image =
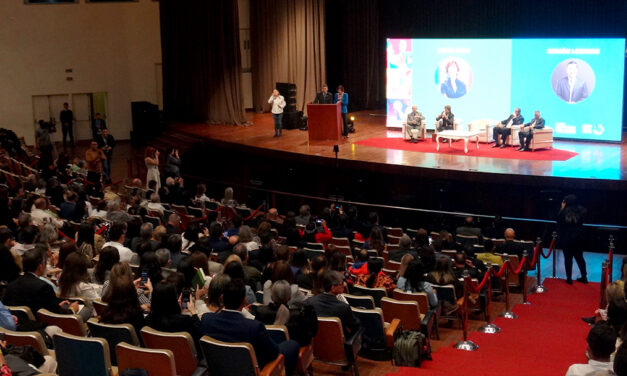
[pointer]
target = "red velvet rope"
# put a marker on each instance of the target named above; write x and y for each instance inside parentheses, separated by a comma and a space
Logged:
(253, 214)
(501, 271)
(63, 235)
(520, 265)
(102, 229)
(536, 252)
(474, 288)
(551, 247)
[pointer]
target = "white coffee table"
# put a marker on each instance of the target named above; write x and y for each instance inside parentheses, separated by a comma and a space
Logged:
(457, 135)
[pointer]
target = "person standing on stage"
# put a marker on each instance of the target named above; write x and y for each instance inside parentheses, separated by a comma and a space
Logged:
(569, 237)
(446, 119)
(526, 132)
(504, 128)
(342, 97)
(324, 97)
(67, 118)
(278, 103)
(414, 122)
(106, 143)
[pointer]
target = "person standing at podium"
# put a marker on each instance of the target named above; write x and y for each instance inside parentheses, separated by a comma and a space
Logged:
(278, 103)
(342, 97)
(324, 97)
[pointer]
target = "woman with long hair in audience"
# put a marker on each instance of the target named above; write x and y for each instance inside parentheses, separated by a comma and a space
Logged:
(190, 237)
(168, 311)
(74, 280)
(299, 318)
(152, 165)
(405, 260)
(233, 268)
(375, 278)
(281, 271)
(9, 270)
(376, 240)
(121, 297)
(85, 240)
(109, 256)
(414, 281)
(246, 238)
(443, 275)
(65, 250)
(149, 264)
(309, 281)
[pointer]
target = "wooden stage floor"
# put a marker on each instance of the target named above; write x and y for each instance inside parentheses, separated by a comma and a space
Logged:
(598, 161)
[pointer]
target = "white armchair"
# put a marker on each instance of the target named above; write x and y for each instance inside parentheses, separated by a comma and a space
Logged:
(407, 131)
(485, 126)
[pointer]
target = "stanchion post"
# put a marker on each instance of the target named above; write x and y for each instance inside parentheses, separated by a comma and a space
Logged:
(466, 344)
(540, 287)
(611, 260)
(523, 271)
(507, 314)
(554, 237)
(602, 302)
(489, 327)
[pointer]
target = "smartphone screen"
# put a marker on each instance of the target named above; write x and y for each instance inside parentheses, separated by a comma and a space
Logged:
(144, 277)
(185, 298)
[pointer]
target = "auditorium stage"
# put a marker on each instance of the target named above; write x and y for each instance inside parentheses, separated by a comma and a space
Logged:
(598, 161)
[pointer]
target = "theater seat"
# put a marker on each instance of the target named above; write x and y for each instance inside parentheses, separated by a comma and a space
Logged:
(280, 334)
(182, 346)
(155, 362)
(407, 131)
(237, 358)
(80, 356)
(330, 345)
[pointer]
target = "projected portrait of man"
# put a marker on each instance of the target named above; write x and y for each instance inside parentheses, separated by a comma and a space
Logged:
(453, 87)
(571, 88)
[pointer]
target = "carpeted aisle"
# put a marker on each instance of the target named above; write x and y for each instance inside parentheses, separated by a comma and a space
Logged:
(546, 339)
(457, 148)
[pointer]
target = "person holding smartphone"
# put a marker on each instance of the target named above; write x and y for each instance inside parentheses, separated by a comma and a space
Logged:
(172, 312)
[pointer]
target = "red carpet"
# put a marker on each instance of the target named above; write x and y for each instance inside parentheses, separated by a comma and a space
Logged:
(546, 339)
(485, 150)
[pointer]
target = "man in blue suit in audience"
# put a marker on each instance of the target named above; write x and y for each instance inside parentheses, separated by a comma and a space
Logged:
(229, 325)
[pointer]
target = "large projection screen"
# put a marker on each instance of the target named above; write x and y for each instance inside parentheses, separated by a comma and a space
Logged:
(576, 84)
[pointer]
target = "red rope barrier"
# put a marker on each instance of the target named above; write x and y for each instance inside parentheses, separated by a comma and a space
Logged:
(520, 266)
(65, 236)
(101, 229)
(551, 247)
(536, 252)
(474, 288)
(253, 214)
(501, 271)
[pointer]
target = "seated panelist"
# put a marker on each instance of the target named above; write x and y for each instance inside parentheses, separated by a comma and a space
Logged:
(446, 119)
(504, 128)
(414, 123)
(526, 132)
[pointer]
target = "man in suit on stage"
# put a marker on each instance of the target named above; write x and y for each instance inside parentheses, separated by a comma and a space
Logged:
(504, 128)
(414, 123)
(229, 325)
(446, 120)
(324, 97)
(328, 305)
(571, 88)
(526, 132)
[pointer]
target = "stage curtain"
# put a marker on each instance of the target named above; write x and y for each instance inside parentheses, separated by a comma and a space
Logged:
(287, 42)
(201, 61)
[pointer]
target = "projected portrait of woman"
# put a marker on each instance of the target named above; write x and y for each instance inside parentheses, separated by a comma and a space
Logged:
(453, 86)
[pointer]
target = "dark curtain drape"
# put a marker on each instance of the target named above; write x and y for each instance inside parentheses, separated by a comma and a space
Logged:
(201, 61)
(355, 56)
(287, 41)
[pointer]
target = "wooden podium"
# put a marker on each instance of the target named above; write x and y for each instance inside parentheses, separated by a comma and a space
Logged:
(324, 122)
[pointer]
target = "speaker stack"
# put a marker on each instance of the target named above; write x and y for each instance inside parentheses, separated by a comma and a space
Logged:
(291, 117)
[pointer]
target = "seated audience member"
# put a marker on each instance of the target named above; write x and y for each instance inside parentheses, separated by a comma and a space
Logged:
(447, 242)
(160, 235)
(252, 275)
(510, 246)
(85, 240)
(404, 247)
(9, 269)
(246, 238)
(620, 360)
(7, 320)
(115, 213)
(28, 235)
(314, 233)
(229, 325)
(149, 264)
(414, 281)
(228, 199)
(407, 258)
(360, 266)
(145, 236)
(304, 215)
(216, 289)
(234, 269)
(109, 256)
(200, 196)
(190, 237)
(469, 228)
(601, 342)
(29, 290)
(41, 215)
(175, 243)
(163, 255)
(217, 241)
(154, 205)
(68, 207)
(234, 225)
(123, 270)
(100, 211)
(167, 311)
(123, 306)
(74, 280)
(117, 236)
(327, 304)
(376, 240)
(174, 224)
(341, 229)
(375, 277)
(489, 256)
(281, 271)
(299, 262)
(443, 273)
(309, 281)
(300, 319)
(462, 263)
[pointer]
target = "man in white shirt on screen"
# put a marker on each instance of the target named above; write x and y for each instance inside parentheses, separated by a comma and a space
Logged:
(571, 88)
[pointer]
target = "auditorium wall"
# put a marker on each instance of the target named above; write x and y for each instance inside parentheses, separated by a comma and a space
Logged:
(113, 48)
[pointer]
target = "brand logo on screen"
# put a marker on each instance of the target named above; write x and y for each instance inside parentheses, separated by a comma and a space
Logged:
(565, 128)
(597, 129)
